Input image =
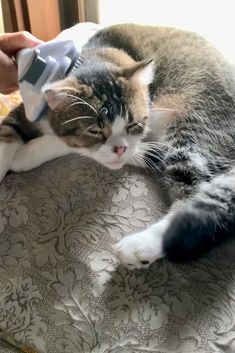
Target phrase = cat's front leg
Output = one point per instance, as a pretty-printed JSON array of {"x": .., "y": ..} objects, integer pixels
[
  {"x": 38, "y": 151},
  {"x": 7, "y": 153},
  {"x": 141, "y": 249},
  {"x": 10, "y": 142}
]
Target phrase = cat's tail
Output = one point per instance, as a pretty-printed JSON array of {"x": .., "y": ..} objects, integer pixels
[{"x": 204, "y": 221}]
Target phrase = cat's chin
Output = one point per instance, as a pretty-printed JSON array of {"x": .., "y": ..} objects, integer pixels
[{"x": 115, "y": 165}]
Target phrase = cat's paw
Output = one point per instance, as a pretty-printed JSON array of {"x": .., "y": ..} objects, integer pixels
[
  {"x": 24, "y": 159},
  {"x": 2, "y": 174},
  {"x": 7, "y": 153},
  {"x": 140, "y": 250}
]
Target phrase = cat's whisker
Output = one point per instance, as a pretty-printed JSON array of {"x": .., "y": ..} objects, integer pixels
[
  {"x": 151, "y": 151},
  {"x": 136, "y": 161},
  {"x": 139, "y": 162},
  {"x": 75, "y": 103},
  {"x": 149, "y": 129},
  {"x": 98, "y": 131},
  {"x": 140, "y": 124},
  {"x": 146, "y": 153},
  {"x": 150, "y": 102},
  {"x": 154, "y": 143},
  {"x": 160, "y": 160},
  {"x": 65, "y": 94},
  {"x": 164, "y": 109},
  {"x": 157, "y": 145},
  {"x": 77, "y": 118},
  {"x": 151, "y": 144},
  {"x": 79, "y": 99},
  {"x": 84, "y": 103},
  {"x": 153, "y": 165}
]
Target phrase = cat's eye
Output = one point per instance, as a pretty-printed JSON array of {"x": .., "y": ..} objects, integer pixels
[{"x": 135, "y": 128}]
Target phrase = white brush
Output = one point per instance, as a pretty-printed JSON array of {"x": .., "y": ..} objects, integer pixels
[{"x": 44, "y": 64}]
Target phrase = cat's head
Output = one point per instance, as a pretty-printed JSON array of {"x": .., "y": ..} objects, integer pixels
[{"x": 102, "y": 110}]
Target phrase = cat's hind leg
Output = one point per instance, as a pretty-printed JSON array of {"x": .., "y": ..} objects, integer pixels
[{"x": 192, "y": 227}]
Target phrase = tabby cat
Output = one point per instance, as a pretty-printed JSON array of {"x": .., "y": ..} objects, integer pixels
[{"x": 155, "y": 97}]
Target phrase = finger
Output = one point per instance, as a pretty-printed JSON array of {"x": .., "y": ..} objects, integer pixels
[
  {"x": 8, "y": 73},
  {"x": 9, "y": 90},
  {"x": 10, "y": 43}
]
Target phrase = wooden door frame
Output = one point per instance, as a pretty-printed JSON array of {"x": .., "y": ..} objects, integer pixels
[
  {"x": 44, "y": 18},
  {"x": 71, "y": 12}
]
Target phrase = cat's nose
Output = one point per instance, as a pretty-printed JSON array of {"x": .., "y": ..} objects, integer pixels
[{"x": 119, "y": 150}]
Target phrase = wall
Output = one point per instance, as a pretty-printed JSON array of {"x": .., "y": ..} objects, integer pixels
[{"x": 214, "y": 19}]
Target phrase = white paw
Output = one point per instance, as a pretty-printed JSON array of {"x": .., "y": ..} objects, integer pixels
[
  {"x": 140, "y": 250},
  {"x": 7, "y": 153},
  {"x": 24, "y": 159},
  {"x": 2, "y": 174}
]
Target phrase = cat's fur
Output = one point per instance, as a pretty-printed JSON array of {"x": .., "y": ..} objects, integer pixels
[{"x": 157, "y": 97}]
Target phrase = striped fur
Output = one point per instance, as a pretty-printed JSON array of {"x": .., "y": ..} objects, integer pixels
[
  {"x": 169, "y": 103},
  {"x": 194, "y": 145}
]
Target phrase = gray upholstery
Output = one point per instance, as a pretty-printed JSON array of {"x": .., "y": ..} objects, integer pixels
[{"x": 61, "y": 289}]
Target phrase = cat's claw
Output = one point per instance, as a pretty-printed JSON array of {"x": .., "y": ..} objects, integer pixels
[{"x": 139, "y": 250}]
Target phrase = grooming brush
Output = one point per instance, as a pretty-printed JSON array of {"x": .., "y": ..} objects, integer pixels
[{"x": 44, "y": 64}]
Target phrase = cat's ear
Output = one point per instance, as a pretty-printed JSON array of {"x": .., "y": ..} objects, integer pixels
[
  {"x": 54, "y": 98},
  {"x": 57, "y": 93},
  {"x": 141, "y": 72}
]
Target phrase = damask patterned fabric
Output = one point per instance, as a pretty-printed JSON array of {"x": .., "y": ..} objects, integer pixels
[{"x": 61, "y": 289}]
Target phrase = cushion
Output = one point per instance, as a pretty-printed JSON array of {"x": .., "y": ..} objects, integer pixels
[{"x": 61, "y": 288}]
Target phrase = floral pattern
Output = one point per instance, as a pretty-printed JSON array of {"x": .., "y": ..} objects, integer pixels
[{"x": 61, "y": 289}]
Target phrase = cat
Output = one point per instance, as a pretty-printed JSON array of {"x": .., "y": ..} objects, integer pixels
[{"x": 156, "y": 97}]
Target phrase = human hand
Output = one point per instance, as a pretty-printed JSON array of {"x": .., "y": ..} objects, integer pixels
[{"x": 10, "y": 44}]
